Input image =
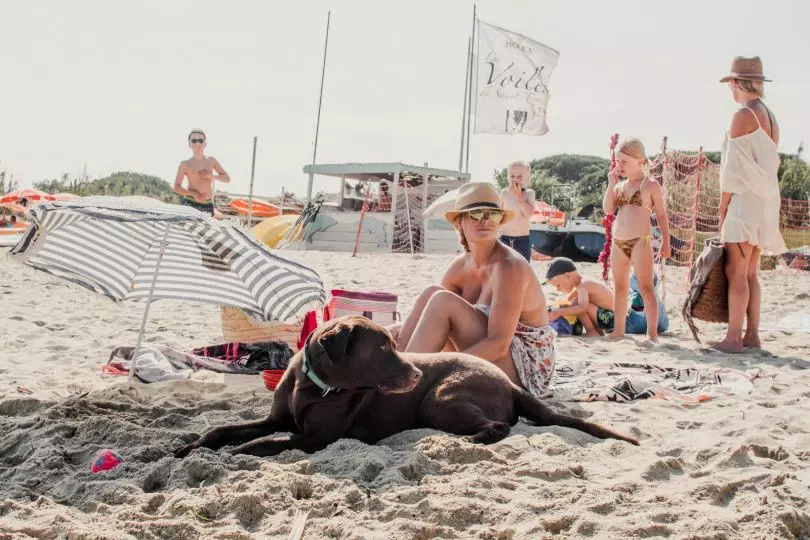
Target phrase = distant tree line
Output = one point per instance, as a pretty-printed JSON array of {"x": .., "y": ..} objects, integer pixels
[{"x": 116, "y": 184}]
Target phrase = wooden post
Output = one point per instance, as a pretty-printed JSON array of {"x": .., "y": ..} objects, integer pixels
[
  {"x": 696, "y": 209},
  {"x": 665, "y": 190},
  {"x": 422, "y": 219},
  {"x": 408, "y": 215},
  {"x": 342, "y": 190},
  {"x": 394, "y": 194},
  {"x": 360, "y": 225}
]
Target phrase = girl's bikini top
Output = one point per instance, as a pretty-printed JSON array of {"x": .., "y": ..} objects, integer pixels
[{"x": 634, "y": 199}]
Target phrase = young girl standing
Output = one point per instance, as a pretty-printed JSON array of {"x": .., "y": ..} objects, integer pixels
[{"x": 636, "y": 198}]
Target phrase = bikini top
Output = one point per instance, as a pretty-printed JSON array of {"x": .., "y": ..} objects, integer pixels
[{"x": 635, "y": 199}]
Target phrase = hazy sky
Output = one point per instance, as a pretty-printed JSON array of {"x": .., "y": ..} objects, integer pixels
[{"x": 118, "y": 85}]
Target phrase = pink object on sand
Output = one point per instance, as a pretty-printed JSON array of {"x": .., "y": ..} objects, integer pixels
[{"x": 105, "y": 460}]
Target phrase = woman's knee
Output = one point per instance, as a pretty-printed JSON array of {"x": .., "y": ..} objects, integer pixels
[
  {"x": 441, "y": 300},
  {"x": 432, "y": 290}
]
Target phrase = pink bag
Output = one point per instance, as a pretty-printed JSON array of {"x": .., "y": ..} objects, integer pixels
[{"x": 381, "y": 307}]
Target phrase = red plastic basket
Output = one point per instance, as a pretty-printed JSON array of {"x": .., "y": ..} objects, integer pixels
[{"x": 271, "y": 378}]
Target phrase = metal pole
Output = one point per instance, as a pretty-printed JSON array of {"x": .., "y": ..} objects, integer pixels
[
  {"x": 250, "y": 192},
  {"x": 148, "y": 303},
  {"x": 320, "y": 101},
  {"x": 464, "y": 104},
  {"x": 470, "y": 96}
]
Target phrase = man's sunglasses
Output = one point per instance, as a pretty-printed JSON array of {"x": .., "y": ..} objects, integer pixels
[
  {"x": 495, "y": 216},
  {"x": 198, "y": 141}
]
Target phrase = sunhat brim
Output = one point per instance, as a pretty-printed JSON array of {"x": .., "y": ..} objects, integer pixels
[
  {"x": 755, "y": 78},
  {"x": 451, "y": 215}
]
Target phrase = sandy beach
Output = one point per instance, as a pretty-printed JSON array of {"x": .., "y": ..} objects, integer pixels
[{"x": 735, "y": 466}]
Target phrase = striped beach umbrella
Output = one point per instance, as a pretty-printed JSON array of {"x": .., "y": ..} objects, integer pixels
[{"x": 136, "y": 248}]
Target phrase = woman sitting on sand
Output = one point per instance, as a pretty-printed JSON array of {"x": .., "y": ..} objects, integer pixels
[
  {"x": 636, "y": 198},
  {"x": 749, "y": 205},
  {"x": 489, "y": 304}
]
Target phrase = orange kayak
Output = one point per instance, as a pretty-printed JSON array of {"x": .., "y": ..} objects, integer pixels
[{"x": 260, "y": 208}]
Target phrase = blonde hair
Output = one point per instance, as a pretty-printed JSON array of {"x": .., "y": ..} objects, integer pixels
[
  {"x": 461, "y": 238},
  {"x": 634, "y": 148},
  {"x": 521, "y": 164},
  {"x": 752, "y": 87}
]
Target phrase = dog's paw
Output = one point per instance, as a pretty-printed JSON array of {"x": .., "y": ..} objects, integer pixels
[{"x": 183, "y": 451}]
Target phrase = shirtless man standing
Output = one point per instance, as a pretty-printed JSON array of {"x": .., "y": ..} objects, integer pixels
[
  {"x": 199, "y": 170},
  {"x": 520, "y": 200}
]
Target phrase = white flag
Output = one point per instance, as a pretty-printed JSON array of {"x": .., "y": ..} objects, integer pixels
[{"x": 513, "y": 74}]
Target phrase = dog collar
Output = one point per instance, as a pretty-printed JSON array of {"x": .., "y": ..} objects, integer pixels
[{"x": 310, "y": 372}]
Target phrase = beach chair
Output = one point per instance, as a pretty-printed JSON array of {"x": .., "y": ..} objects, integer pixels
[{"x": 238, "y": 327}]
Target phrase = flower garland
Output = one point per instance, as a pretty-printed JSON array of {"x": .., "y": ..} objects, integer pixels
[{"x": 607, "y": 221}]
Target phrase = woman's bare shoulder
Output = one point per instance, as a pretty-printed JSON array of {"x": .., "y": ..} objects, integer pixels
[
  {"x": 743, "y": 122},
  {"x": 512, "y": 266}
]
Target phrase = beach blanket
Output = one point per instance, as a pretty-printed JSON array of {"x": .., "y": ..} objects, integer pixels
[
  {"x": 161, "y": 363},
  {"x": 622, "y": 382}
]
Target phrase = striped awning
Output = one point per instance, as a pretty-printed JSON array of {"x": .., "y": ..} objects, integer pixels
[{"x": 111, "y": 245}]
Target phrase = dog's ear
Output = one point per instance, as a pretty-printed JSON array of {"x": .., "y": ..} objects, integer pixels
[{"x": 336, "y": 342}]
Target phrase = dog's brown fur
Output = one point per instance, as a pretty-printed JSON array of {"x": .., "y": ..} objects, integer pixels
[{"x": 384, "y": 392}]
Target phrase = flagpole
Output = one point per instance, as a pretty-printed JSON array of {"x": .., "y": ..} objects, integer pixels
[
  {"x": 250, "y": 193},
  {"x": 320, "y": 101},
  {"x": 464, "y": 105},
  {"x": 469, "y": 94}
]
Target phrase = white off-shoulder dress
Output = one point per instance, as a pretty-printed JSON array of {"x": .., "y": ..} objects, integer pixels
[{"x": 748, "y": 170}]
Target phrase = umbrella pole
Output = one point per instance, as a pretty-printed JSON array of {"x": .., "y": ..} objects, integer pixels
[{"x": 148, "y": 303}]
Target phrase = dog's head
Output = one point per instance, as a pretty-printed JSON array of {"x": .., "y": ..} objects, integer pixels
[{"x": 354, "y": 353}]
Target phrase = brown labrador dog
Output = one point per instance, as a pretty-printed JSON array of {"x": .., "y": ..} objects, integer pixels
[{"x": 350, "y": 382}]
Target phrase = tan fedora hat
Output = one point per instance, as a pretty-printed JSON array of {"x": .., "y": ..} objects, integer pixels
[
  {"x": 477, "y": 196},
  {"x": 747, "y": 69}
]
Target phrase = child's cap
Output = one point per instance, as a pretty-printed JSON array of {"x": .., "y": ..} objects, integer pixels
[{"x": 559, "y": 266}]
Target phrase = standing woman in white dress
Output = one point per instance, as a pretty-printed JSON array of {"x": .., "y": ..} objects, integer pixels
[{"x": 750, "y": 200}]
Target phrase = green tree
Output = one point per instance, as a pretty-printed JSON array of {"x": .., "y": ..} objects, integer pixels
[{"x": 116, "y": 184}]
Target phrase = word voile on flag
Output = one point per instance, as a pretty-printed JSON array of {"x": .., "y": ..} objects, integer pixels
[{"x": 513, "y": 74}]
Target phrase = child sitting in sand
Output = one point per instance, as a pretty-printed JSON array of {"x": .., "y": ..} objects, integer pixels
[
  {"x": 635, "y": 198},
  {"x": 593, "y": 303}
]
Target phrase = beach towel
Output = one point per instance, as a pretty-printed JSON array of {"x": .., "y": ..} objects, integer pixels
[
  {"x": 707, "y": 298},
  {"x": 162, "y": 363},
  {"x": 622, "y": 382}
]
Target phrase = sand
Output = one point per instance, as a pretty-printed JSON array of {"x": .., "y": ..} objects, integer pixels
[{"x": 733, "y": 467}]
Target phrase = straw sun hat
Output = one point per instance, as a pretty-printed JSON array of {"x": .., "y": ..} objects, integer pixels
[
  {"x": 747, "y": 69},
  {"x": 477, "y": 196}
]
